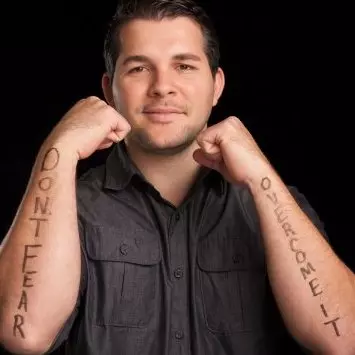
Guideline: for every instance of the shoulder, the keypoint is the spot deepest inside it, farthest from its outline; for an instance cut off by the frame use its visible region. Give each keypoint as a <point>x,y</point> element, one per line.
<point>89,190</point>
<point>92,176</point>
<point>89,182</point>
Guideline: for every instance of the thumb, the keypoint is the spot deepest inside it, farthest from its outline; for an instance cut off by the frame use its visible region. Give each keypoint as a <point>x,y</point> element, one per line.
<point>209,161</point>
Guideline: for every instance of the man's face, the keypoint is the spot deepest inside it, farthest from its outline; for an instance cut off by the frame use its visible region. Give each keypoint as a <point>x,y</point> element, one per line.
<point>163,83</point>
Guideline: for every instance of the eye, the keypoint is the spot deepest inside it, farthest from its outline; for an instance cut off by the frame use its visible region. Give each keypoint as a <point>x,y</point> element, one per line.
<point>185,67</point>
<point>136,70</point>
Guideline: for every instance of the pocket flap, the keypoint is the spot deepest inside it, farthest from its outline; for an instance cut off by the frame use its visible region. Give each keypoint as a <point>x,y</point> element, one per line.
<point>132,246</point>
<point>219,253</point>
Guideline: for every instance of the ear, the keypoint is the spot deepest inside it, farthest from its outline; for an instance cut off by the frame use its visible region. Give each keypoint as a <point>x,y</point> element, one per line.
<point>107,89</point>
<point>219,82</point>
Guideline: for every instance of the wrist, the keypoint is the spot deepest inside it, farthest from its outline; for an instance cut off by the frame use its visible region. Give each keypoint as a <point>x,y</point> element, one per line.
<point>54,153</point>
<point>266,182</point>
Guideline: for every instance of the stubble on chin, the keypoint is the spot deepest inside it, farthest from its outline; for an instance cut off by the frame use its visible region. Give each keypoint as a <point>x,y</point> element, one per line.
<point>143,141</point>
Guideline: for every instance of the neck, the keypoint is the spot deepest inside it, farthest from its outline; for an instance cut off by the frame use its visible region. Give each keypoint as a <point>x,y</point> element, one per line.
<point>172,175</point>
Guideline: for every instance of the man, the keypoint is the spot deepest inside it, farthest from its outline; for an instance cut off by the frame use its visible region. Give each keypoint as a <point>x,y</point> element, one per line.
<point>186,241</point>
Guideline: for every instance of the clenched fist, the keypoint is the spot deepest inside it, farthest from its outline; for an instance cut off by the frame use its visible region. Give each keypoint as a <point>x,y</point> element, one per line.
<point>229,148</point>
<point>91,124</point>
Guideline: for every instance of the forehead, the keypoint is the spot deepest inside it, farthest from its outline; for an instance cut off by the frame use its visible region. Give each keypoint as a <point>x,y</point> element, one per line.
<point>161,37</point>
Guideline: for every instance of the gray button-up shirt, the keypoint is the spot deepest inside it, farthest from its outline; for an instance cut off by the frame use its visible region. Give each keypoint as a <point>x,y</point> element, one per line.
<point>161,280</point>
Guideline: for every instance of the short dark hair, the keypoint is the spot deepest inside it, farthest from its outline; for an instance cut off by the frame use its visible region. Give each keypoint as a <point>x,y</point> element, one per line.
<point>129,10</point>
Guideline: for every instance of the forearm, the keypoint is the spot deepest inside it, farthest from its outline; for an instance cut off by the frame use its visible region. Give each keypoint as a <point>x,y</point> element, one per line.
<point>314,290</point>
<point>40,259</point>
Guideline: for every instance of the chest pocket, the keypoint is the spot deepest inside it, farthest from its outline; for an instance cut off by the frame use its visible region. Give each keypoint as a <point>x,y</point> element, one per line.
<point>122,276</point>
<point>232,281</point>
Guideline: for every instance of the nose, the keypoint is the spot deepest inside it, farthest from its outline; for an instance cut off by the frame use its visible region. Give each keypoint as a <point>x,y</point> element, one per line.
<point>161,84</point>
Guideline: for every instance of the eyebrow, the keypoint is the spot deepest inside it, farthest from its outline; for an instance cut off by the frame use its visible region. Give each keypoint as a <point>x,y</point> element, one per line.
<point>144,59</point>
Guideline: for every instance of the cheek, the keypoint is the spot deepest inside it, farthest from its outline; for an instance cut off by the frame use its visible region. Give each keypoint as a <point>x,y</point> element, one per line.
<point>203,95</point>
<point>133,94</point>
<point>123,98</point>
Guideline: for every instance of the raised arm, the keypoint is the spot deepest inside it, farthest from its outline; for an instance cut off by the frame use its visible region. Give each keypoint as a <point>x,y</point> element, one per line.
<point>40,256</point>
<point>314,289</point>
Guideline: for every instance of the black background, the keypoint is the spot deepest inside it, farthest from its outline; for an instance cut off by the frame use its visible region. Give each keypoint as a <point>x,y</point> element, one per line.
<point>287,77</point>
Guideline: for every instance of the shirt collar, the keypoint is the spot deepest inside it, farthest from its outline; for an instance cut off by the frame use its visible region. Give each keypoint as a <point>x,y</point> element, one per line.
<point>120,170</point>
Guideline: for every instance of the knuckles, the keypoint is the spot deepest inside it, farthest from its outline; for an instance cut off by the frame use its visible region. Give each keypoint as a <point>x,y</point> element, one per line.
<point>233,126</point>
<point>90,101</point>
<point>232,121</point>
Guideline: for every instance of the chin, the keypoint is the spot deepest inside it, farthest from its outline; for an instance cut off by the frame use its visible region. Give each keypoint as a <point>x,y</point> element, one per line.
<point>162,146</point>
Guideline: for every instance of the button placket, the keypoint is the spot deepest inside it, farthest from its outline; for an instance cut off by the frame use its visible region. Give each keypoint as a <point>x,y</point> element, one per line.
<point>173,220</point>
<point>178,274</point>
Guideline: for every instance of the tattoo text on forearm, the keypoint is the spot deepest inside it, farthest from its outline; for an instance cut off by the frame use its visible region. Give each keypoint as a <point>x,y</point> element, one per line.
<point>306,267</point>
<point>40,216</point>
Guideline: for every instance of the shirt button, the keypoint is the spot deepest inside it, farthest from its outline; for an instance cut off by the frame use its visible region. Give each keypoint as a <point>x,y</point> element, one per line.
<point>179,334</point>
<point>179,273</point>
<point>124,249</point>
<point>237,258</point>
<point>177,217</point>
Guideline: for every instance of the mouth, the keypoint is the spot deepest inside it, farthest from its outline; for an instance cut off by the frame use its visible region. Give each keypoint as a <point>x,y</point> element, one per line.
<point>163,114</point>
<point>162,117</point>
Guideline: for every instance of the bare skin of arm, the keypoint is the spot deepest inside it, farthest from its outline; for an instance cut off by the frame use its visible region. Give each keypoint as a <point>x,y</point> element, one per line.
<point>40,256</point>
<point>314,290</point>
